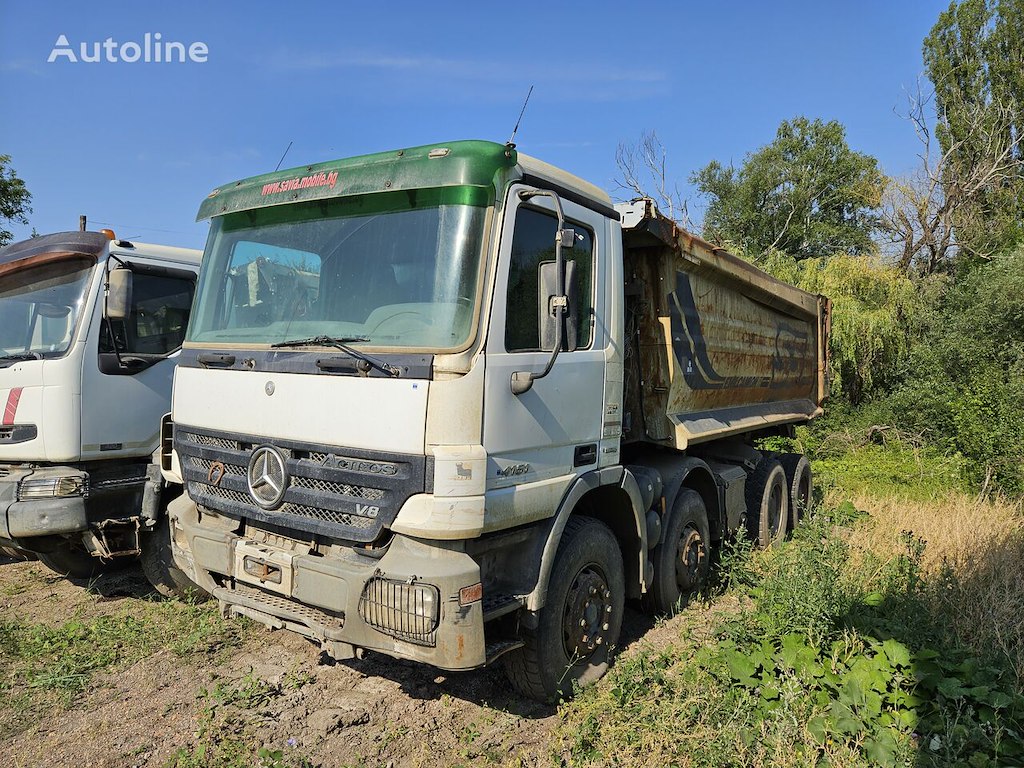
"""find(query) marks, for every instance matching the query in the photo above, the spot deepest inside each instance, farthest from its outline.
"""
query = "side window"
(159, 317)
(533, 242)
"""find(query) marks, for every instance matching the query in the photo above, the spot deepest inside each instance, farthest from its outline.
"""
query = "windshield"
(40, 307)
(393, 275)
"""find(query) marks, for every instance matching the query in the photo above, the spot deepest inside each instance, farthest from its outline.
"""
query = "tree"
(642, 174)
(875, 307)
(806, 194)
(974, 57)
(923, 213)
(14, 199)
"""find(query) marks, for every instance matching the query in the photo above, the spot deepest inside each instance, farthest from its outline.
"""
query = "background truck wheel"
(69, 559)
(682, 558)
(767, 503)
(581, 619)
(799, 479)
(16, 554)
(158, 565)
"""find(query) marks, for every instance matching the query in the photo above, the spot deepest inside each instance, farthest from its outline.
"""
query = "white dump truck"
(448, 403)
(83, 385)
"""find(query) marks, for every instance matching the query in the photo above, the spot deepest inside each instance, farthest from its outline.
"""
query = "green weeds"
(836, 657)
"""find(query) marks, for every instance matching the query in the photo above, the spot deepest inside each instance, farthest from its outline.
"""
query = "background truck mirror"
(118, 305)
(545, 301)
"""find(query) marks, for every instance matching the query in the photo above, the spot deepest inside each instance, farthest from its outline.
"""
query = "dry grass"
(973, 563)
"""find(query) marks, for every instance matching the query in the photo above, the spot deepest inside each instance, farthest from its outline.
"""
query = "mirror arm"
(522, 381)
(106, 317)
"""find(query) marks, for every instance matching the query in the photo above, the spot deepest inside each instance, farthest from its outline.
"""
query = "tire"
(581, 620)
(17, 554)
(801, 486)
(73, 562)
(158, 565)
(767, 503)
(682, 559)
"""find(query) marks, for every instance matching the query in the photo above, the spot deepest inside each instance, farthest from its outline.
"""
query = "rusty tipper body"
(448, 403)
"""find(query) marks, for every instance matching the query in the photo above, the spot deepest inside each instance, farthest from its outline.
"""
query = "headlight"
(53, 487)
(400, 609)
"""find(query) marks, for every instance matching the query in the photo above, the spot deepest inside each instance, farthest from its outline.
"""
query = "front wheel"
(158, 565)
(17, 554)
(71, 560)
(581, 620)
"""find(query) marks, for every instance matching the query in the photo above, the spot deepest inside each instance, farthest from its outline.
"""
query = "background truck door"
(121, 410)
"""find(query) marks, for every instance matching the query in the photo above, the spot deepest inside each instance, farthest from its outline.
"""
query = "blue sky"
(138, 145)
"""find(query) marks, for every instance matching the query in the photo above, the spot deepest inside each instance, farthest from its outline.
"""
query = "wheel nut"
(599, 641)
(585, 639)
(583, 622)
(604, 627)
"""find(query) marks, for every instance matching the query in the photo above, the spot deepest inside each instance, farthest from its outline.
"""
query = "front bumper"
(39, 517)
(405, 603)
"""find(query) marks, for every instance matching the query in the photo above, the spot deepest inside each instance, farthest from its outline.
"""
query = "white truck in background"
(449, 404)
(83, 385)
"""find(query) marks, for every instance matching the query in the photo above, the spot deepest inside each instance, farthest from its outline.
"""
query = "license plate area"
(261, 565)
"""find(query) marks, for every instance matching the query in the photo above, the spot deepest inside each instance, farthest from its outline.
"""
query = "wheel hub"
(588, 610)
(689, 559)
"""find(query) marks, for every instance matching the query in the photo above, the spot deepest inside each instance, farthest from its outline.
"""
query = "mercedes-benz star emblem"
(267, 476)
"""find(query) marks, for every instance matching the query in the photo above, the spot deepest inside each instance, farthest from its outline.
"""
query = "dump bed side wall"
(716, 348)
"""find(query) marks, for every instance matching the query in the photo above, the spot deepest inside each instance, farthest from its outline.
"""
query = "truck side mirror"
(546, 298)
(118, 305)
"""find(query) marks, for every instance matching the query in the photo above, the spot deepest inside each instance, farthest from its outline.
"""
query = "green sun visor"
(455, 164)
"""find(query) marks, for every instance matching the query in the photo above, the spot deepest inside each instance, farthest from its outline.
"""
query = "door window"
(533, 243)
(159, 317)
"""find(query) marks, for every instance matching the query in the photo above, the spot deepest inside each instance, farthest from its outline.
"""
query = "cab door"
(537, 442)
(124, 394)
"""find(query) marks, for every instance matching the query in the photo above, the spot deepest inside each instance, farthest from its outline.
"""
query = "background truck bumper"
(405, 603)
(39, 517)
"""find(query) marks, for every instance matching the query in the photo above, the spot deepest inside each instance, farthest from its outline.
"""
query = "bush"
(963, 385)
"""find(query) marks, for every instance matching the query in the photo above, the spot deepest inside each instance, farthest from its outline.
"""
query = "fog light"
(408, 611)
(53, 487)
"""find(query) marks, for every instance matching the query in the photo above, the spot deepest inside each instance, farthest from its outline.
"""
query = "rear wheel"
(682, 558)
(581, 619)
(767, 503)
(800, 482)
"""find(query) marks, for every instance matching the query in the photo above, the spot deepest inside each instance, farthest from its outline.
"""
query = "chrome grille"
(328, 516)
(221, 493)
(209, 441)
(340, 489)
(205, 464)
(344, 493)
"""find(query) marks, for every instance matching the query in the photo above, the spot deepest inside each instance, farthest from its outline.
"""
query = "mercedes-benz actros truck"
(448, 403)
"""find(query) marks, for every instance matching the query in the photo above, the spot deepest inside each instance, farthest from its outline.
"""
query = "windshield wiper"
(342, 343)
(22, 356)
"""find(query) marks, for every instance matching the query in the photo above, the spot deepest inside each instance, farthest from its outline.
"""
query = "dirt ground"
(376, 711)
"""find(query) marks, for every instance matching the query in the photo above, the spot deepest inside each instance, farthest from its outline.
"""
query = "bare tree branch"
(642, 173)
(922, 211)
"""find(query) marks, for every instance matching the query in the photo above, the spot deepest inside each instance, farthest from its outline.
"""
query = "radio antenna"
(282, 156)
(523, 110)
